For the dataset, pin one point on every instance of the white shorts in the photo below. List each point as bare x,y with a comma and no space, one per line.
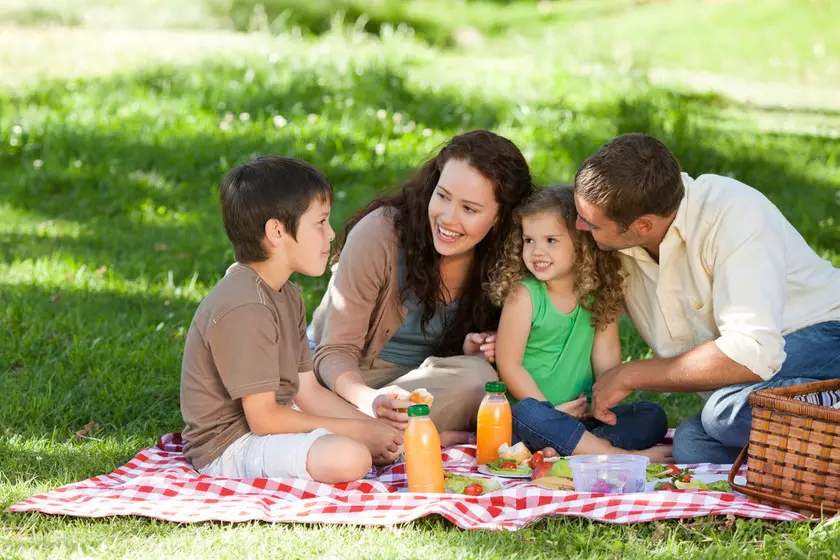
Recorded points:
274,456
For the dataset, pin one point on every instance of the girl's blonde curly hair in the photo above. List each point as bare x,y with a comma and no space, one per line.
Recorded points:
598,275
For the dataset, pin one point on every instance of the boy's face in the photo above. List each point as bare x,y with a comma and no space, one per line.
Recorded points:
311,251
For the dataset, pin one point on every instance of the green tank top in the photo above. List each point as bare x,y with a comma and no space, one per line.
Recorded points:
558,354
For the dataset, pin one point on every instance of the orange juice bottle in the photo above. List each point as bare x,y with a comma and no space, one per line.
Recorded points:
494,423
423,464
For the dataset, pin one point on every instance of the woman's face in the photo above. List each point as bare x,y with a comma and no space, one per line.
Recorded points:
462,210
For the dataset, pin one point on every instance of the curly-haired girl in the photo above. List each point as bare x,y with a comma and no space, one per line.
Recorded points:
559,325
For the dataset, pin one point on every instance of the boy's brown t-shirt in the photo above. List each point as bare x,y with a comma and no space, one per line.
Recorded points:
245,338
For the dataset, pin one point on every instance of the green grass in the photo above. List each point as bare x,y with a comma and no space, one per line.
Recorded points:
110,235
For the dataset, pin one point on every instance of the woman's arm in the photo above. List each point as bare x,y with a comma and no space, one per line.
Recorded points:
606,349
342,319
514,326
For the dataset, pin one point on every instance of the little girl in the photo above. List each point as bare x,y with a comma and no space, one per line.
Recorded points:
562,300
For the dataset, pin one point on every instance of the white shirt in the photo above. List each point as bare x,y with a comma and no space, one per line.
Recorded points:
731,269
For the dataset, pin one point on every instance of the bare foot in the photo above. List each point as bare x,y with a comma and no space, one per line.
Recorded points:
448,439
658,454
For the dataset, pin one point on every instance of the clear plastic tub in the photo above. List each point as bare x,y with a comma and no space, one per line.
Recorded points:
609,474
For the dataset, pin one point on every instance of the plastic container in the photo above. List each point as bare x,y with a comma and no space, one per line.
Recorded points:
423,463
494,423
609,474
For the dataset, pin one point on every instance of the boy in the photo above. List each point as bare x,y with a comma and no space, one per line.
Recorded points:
246,357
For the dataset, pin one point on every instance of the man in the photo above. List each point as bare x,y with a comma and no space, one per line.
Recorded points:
725,291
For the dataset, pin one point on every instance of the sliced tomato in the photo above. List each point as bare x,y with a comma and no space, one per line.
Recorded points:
672,470
685,477
536,460
507,465
473,490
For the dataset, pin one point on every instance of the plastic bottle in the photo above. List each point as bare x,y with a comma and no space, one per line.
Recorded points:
494,423
423,463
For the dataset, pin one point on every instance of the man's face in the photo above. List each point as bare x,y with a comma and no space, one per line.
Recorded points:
608,234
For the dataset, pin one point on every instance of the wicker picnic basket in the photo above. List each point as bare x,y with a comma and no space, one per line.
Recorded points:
793,456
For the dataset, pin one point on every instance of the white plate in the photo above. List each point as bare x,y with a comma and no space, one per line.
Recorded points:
484,470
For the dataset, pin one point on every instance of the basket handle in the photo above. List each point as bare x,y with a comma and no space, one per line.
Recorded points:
736,466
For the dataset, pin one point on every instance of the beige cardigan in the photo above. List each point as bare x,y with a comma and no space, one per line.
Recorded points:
361,309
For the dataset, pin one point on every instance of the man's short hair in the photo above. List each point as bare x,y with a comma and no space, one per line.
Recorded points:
270,187
630,176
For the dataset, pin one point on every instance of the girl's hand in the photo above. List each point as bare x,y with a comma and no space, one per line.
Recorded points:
483,343
577,408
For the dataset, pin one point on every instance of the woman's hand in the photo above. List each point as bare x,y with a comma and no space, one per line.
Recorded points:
390,410
577,408
483,343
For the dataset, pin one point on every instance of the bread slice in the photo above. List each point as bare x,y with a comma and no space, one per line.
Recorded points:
517,453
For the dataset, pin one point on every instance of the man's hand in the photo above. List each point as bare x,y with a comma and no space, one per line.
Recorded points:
609,389
483,343
382,440
576,408
391,410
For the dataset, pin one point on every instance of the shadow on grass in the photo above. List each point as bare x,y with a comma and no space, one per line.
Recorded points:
90,355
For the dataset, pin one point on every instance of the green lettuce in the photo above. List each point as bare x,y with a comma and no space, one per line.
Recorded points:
456,483
493,467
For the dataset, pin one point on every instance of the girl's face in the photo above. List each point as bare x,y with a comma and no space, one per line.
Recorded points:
547,247
462,210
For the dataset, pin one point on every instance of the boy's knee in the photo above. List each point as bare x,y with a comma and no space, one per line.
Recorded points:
333,459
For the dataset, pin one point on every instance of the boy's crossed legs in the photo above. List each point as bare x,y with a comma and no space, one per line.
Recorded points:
319,455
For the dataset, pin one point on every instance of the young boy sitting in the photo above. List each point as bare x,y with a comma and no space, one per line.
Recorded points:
246,357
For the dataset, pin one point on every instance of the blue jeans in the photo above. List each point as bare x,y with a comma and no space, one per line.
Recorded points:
722,429
538,424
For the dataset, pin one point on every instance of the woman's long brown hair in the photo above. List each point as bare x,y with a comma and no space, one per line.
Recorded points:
498,160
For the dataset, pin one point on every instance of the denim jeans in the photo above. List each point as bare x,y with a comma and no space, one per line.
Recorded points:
722,429
538,424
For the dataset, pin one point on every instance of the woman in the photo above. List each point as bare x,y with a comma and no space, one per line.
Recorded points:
406,307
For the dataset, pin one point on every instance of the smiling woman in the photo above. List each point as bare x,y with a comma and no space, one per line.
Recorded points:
405,307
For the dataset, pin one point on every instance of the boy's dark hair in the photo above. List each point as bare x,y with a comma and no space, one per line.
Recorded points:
630,176
269,187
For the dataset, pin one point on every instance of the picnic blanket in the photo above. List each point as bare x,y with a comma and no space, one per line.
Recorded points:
159,482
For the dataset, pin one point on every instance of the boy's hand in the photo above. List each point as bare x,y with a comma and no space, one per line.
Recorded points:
382,440
483,343
576,408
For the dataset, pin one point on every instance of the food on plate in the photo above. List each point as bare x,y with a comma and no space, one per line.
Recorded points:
506,467
474,489
556,483
517,453
560,467
457,484
671,477
536,460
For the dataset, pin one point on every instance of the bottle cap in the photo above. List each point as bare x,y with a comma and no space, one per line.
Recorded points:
495,387
418,410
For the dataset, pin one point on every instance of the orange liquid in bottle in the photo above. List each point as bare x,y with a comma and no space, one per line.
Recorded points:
423,463
494,428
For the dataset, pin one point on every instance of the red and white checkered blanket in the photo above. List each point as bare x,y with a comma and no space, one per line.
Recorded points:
160,483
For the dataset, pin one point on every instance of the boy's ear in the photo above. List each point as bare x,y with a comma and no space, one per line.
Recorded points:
274,232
